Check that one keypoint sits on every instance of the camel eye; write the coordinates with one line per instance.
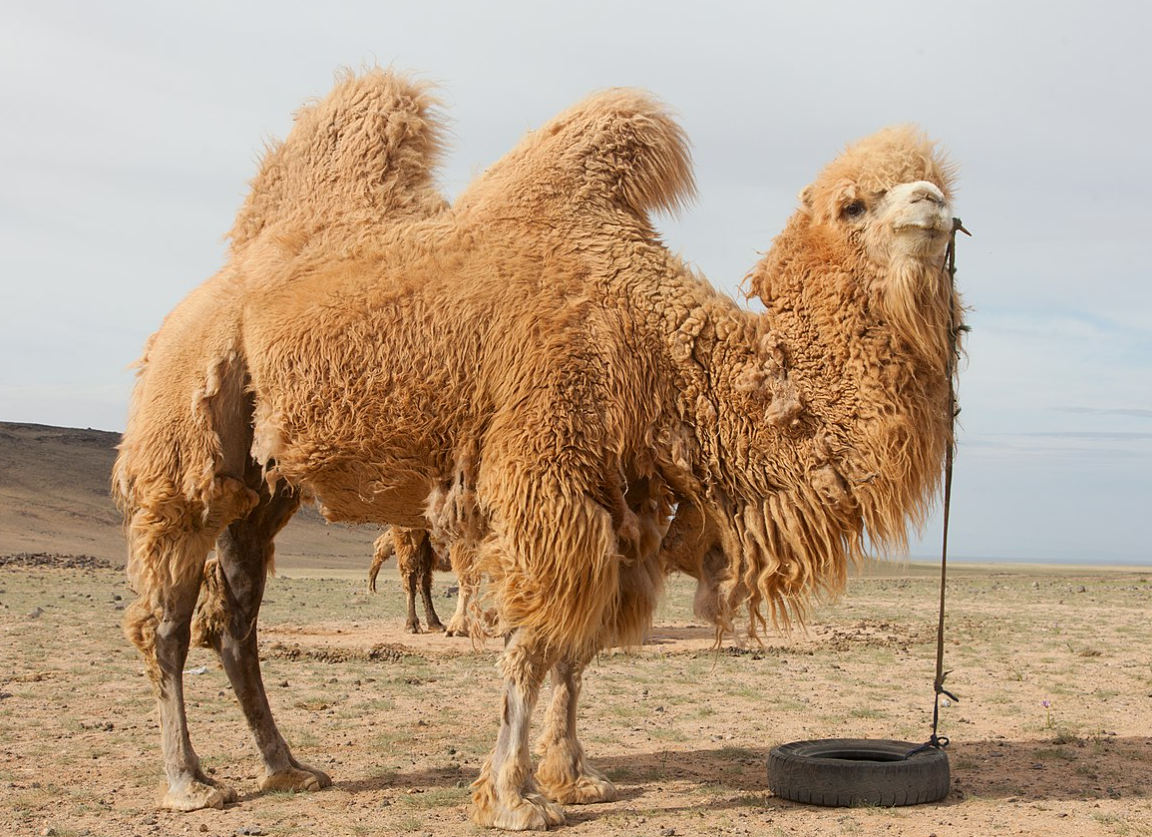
(854, 210)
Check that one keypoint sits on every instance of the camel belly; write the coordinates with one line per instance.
(356, 472)
(398, 505)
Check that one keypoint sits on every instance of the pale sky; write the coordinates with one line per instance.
(130, 129)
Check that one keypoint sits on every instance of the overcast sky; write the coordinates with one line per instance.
(129, 131)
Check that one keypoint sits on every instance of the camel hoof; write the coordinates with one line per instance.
(531, 812)
(588, 789)
(196, 795)
(435, 628)
(299, 778)
(412, 627)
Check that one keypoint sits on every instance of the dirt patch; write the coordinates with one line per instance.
(384, 652)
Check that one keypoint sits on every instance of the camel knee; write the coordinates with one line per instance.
(140, 623)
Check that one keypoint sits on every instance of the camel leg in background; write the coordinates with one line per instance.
(564, 774)
(427, 561)
(234, 590)
(414, 559)
(505, 794)
(463, 564)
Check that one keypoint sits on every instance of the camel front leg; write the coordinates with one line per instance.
(564, 774)
(234, 588)
(505, 794)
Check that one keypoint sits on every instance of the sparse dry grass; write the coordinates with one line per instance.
(683, 728)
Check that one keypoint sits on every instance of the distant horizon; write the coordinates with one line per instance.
(921, 555)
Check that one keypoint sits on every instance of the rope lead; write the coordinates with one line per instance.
(938, 741)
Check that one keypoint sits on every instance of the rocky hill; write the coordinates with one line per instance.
(54, 499)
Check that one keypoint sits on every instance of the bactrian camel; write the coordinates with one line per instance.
(416, 559)
(532, 372)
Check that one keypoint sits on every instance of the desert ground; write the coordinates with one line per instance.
(1052, 734)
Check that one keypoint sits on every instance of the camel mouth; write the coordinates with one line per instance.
(931, 227)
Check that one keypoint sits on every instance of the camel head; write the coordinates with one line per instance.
(881, 212)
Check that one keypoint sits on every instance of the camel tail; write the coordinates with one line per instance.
(383, 548)
(180, 472)
(366, 151)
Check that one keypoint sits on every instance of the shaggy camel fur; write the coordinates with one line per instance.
(532, 372)
(416, 558)
(691, 547)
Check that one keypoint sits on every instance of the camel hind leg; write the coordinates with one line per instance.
(234, 589)
(168, 548)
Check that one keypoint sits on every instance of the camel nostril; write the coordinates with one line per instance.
(925, 191)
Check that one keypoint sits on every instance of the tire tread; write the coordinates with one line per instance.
(810, 772)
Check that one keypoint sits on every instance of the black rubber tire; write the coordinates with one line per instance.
(843, 772)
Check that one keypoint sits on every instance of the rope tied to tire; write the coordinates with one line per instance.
(937, 741)
(861, 771)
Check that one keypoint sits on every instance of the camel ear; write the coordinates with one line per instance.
(806, 199)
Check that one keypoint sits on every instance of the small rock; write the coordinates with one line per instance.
(49, 832)
(35, 614)
(668, 832)
(250, 830)
(203, 828)
(283, 684)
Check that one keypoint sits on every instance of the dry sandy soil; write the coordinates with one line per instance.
(403, 722)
